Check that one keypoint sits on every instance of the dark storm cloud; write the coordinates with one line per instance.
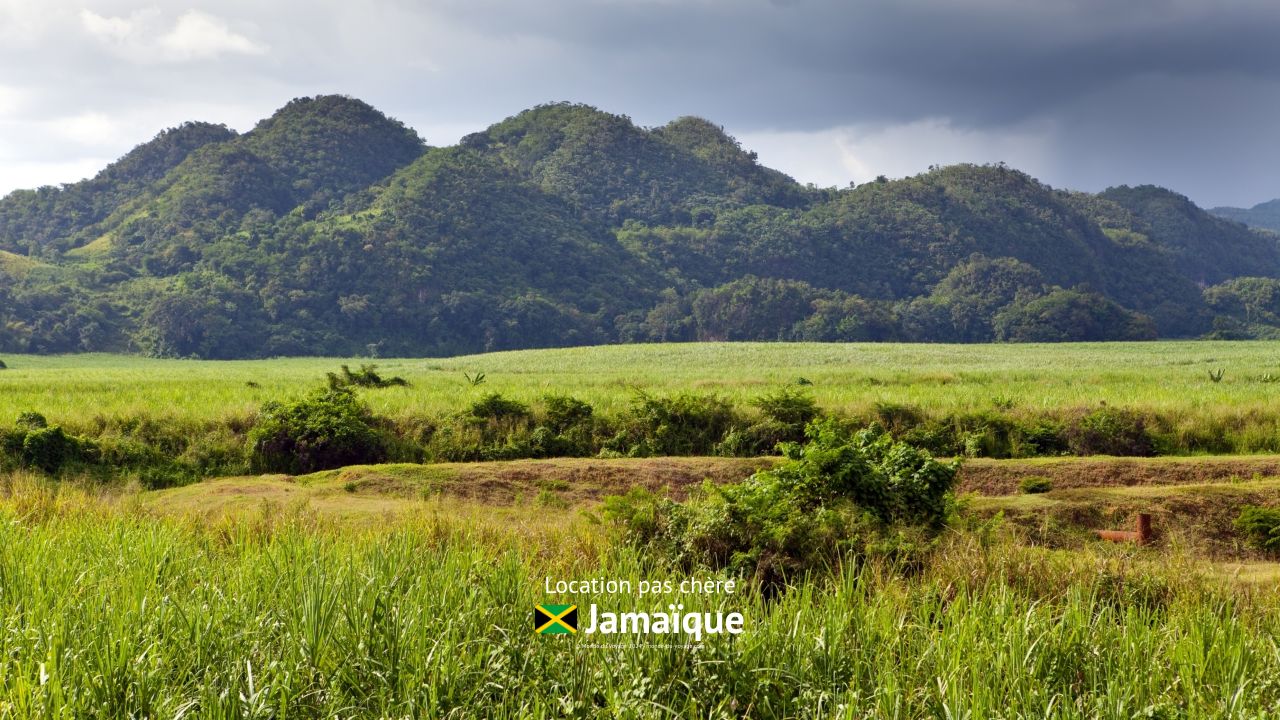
(1085, 93)
(808, 64)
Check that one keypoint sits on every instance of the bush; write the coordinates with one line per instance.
(327, 429)
(840, 492)
(684, 424)
(785, 415)
(1110, 431)
(31, 420)
(495, 407)
(762, 438)
(1035, 484)
(1260, 527)
(789, 407)
(366, 376)
(3, 366)
(898, 417)
(565, 413)
(50, 448)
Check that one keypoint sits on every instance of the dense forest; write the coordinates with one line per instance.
(331, 229)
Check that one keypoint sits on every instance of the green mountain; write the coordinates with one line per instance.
(31, 220)
(331, 229)
(1263, 215)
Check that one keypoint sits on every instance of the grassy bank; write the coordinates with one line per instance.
(109, 610)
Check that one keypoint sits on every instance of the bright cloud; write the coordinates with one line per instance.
(199, 36)
(145, 37)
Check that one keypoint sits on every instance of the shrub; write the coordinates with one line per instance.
(1260, 527)
(3, 366)
(1043, 436)
(898, 417)
(684, 424)
(31, 420)
(495, 407)
(760, 438)
(1110, 431)
(839, 492)
(327, 429)
(1035, 484)
(50, 448)
(785, 415)
(565, 413)
(366, 376)
(788, 406)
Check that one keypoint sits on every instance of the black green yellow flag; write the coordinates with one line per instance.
(555, 619)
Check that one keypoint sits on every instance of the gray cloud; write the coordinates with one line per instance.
(1085, 93)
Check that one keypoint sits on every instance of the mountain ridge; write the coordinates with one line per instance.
(330, 228)
(1264, 215)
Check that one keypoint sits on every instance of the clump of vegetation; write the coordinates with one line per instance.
(49, 448)
(1003, 402)
(565, 413)
(784, 416)
(366, 377)
(1035, 484)
(495, 407)
(1110, 431)
(326, 429)
(898, 417)
(1260, 527)
(1216, 375)
(474, 380)
(839, 492)
(3, 366)
(684, 424)
(31, 420)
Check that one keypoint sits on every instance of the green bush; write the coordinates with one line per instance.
(1260, 527)
(565, 413)
(1110, 431)
(327, 429)
(31, 420)
(684, 424)
(788, 406)
(1042, 436)
(1035, 484)
(761, 438)
(898, 417)
(785, 414)
(495, 407)
(366, 377)
(50, 448)
(840, 492)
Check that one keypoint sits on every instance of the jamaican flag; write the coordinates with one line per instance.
(555, 619)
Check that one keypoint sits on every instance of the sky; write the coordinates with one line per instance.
(1083, 94)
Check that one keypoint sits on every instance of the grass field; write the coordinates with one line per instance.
(407, 590)
(1172, 377)
(136, 605)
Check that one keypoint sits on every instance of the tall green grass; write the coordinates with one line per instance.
(169, 421)
(1171, 377)
(106, 611)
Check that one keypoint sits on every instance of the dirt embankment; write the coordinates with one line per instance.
(1001, 477)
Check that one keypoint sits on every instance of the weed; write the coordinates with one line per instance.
(1035, 484)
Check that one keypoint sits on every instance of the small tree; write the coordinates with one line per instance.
(327, 429)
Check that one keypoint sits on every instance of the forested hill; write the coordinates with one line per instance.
(1263, 215)
(331, 229)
